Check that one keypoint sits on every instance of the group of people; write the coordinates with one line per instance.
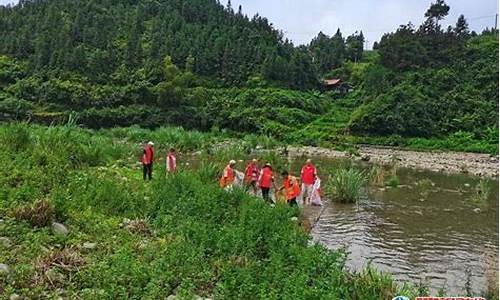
(147, 160)
(263, 179)
(255, 179)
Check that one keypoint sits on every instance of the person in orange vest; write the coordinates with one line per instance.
(252, 176)
(147, 161)
(308, 177)
(227, 179)
(266, 181)
(291, 187)
(171, 162)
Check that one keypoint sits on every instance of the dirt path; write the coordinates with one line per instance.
(447, 162)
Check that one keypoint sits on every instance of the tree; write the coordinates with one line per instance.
(189, 63)
(402, 50)
(322, 51)
(462, 27)
(436, 12)
(302, 69)
(169, 69)
(354, 46)
(338, 45)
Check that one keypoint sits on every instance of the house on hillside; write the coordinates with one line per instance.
(337, 84)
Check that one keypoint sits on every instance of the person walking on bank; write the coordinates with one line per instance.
(291, 187)
(171, 162)
(228, 177)
(252, 176)
(147, 161)
(308, 177)
(266, 180)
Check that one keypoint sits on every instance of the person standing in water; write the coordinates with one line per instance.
(266, 180)
(171, 162)
(147, 161)
(308, 177)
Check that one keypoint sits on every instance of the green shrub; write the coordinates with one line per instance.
(346, 184)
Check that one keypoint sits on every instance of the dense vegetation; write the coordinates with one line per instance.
(127, 41)
(205, 66)
(186, 236)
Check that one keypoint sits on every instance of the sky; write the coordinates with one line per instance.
(301, 20)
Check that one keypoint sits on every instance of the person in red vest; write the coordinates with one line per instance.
(252, 175)
(228, 177)
(266, 181)
(147, 161)
(307, 176)
(291, 187)
(171, 162)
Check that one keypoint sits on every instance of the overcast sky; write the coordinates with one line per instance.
(301, 20)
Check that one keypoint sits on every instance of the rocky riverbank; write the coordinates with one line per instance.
(447, 162)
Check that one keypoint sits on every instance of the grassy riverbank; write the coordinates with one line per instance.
(189, 237)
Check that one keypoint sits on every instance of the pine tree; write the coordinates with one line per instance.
(462, 27)
(436, 12)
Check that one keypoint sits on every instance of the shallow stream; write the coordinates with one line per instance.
(439, 236)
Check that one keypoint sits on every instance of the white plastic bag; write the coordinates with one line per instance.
(316, 193)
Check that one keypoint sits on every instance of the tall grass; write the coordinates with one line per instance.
(345, 184)
(377, 175)
(482, 191)
(164, 137)
(204, 241)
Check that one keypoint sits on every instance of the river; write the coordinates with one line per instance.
(442, 238)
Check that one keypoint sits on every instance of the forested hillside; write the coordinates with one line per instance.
(203, 65)
(125, 40)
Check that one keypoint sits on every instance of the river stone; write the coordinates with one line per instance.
(4, 269)
(59, 229)
(89, 245)
(5, 242)
(477, 210)
(466, 185)
(14, 297)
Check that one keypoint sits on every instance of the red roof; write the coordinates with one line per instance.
(332, 81)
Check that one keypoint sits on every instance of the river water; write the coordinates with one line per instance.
(440, 236)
